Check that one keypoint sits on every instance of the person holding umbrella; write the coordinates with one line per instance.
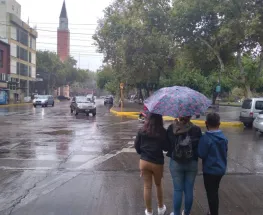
(183, 137)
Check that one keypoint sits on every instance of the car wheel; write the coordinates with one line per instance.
(94, 114)
(248, 125)
(34, 106)
(46, 105)
(87, 114)
(71, 111)
(76, 113)
(43, 105)
(53, 104)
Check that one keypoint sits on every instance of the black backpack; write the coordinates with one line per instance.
(183, 147)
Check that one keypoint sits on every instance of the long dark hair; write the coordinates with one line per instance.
(154, 125)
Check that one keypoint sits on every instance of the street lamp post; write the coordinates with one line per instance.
(48, 79)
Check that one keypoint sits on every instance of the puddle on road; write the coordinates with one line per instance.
(59, 132)
(57, 127)
(4, 143)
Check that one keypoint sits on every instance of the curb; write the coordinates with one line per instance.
(15, 105)
(134, 115)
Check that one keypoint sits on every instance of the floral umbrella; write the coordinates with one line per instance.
(177, 102)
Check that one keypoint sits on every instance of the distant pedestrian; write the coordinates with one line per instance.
(150, 143)
(183, 138)
(212, 149)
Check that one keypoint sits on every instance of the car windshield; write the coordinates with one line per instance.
(42, 97)
(82, 100)
(247, 104)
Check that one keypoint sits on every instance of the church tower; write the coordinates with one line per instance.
(63, 35)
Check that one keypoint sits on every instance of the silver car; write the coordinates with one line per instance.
(258, 122)
(82, 104)
(44, 100)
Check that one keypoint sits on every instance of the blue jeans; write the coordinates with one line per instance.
(183, 175)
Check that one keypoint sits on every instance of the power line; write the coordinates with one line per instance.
(70, 45)
(56, 32)
(38, 29)
(50, 23)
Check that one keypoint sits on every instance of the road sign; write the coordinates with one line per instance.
(218, 89)
(121, 85)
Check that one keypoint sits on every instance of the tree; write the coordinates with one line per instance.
(56, 73)
(136, 40)
(104, 75)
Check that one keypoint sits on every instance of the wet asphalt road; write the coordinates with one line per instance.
(54, 163)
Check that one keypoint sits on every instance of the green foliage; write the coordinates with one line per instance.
(57, 73)
(195, 43)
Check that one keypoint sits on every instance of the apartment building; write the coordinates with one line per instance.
(22, 40)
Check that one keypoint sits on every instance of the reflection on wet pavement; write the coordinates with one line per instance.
(43, 145)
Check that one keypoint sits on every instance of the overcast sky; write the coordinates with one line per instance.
(45, 14)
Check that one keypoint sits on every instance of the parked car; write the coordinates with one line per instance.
(81, 104)
(27, 99)
(108, 100)
(63, 98)
(258, 122)
(44, 100)
(91, 97)
(250, 110)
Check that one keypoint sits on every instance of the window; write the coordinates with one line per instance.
(30, 57)
(22, 53)
(259, 105)
(22, 69)
(12, 86)
(2, 77)
(22, 36)
(247, 104)
(1, 58)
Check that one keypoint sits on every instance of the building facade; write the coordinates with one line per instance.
(4, 70)
(22, 40)
(63, 44)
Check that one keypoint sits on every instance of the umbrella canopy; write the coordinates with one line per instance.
(177, 102)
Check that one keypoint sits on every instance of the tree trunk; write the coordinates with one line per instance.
(239, 62)
(260, 63)
(216, 53)
(247, 89)
(248, 93)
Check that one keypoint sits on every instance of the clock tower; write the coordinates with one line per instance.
(63, 35)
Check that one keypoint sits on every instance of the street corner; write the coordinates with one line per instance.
(134, 115)
(15, 105)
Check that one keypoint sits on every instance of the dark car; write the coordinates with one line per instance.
(108, 100)
(82, 104)
(63, 98)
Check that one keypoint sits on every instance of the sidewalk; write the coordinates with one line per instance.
(229, 115)
(15, 105)
(112, 193)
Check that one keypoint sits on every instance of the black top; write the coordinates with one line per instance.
(195, 133)
(151, 147)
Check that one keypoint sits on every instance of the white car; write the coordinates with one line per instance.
(258, 122)
(44, 100)
(250, 110)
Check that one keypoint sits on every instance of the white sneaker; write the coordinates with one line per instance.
(161, 211)
(183, 212)
(148, 213)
